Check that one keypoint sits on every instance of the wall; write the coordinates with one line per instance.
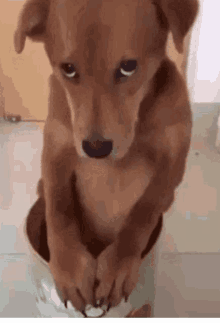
(23, 77)
(204, 63)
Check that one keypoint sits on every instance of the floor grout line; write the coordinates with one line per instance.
(191, 253)
(13, 254)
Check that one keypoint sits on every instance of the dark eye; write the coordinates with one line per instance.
(127, 68)
(69, 70)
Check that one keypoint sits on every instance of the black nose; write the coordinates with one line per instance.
(97, 148)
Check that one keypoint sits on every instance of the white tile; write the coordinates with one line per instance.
(20, 150)
(188, 286)
(16, 288)
(193, 220)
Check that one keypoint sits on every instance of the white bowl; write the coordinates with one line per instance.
(50, 305)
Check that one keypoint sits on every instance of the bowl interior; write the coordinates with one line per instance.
(37, 233)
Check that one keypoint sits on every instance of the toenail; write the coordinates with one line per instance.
(84, 313)
(109, 306)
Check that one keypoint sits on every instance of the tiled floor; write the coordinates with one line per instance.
(16, 289)
(187, 285)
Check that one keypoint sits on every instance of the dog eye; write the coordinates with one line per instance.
(127, 68)
(69, 70)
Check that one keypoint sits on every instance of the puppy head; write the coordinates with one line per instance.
(104, 55)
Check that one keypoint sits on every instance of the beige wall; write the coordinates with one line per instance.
(24, 77)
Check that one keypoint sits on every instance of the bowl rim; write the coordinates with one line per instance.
(32, 250)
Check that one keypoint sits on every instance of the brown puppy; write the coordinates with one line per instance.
(116, 137)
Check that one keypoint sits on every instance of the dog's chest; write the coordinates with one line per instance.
(108, 194)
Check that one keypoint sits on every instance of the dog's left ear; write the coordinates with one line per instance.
(32, 23)
(180, 15)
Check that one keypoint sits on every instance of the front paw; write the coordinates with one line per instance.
(117, 277)
(74, 274)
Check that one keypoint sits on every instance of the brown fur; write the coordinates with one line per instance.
(117, 200)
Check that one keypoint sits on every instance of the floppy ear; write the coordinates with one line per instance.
(32, 22)
(180, 15)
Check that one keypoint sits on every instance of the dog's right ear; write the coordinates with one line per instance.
(32, 23)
